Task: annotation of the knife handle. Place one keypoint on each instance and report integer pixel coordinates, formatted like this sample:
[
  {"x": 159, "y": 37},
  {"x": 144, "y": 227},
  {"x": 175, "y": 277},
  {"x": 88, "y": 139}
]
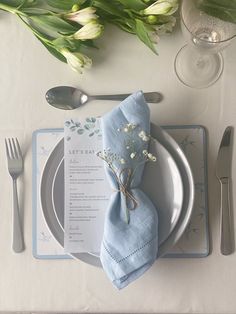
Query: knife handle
[{"x": 227, "y": 239}]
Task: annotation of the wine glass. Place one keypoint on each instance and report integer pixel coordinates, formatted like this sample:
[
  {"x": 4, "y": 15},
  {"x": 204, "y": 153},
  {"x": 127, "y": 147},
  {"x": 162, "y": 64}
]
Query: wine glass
[{"x": 199, "y": 64}]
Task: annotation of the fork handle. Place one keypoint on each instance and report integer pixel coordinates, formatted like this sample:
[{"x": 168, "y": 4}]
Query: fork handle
[{"x": 18, "y": 242}]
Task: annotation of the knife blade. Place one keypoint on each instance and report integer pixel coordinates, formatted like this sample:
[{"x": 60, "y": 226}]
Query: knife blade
[{"x": 223, "y": 173}]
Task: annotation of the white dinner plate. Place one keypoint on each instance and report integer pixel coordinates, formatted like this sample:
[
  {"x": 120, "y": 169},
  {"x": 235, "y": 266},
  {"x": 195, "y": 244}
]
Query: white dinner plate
[{"x": 168, "y": 183}]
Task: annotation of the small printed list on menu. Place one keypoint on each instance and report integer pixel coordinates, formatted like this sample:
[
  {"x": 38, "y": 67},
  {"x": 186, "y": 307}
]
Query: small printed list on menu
[{"x": 87, "y": 190}]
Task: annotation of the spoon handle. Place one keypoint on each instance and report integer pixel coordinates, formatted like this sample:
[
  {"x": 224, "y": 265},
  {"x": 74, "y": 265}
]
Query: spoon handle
[{"x": 152, "y": 97}]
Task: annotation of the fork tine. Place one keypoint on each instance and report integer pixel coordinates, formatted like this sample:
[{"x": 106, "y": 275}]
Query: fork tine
[
  {"x": 18, "y": 148},
  {"x": 14, "y": 148},
  {"x": 10, "y": 148},
  {"x": 7, "y": 149}
]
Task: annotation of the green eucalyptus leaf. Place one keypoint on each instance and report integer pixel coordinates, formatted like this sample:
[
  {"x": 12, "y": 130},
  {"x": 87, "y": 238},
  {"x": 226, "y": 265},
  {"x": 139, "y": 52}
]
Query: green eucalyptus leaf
[
  {"x": 54, "y": 23},
  {"x": 143, "y": 33},
  {"x": 80, "y": 131}
]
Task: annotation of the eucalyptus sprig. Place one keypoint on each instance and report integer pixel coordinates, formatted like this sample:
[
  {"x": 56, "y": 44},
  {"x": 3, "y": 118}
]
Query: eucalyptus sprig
[{"x": 67, "y": 28}]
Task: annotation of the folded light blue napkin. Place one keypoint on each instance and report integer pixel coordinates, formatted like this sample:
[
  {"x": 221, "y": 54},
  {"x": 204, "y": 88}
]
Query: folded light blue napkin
[{"x": 130, "y": 240}]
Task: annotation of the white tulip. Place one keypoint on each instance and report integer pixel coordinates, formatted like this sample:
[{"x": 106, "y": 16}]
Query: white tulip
[
  {"x": 83, "y": 16},
  {"x": 162, "y": 7},
  {"x": 76, "y": 60},
  {"x": 91, "y": 30}
]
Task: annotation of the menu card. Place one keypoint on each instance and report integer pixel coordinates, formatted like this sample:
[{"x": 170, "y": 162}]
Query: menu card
[{"x": 85, "y": 199}]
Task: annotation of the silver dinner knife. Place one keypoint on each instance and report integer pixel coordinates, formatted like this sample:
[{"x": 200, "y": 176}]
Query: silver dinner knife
[{"x": 223, "y": 173}]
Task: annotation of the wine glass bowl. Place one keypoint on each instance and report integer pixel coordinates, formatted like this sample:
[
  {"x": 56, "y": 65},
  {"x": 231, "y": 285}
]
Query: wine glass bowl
[{"x": 199, "y": 64}]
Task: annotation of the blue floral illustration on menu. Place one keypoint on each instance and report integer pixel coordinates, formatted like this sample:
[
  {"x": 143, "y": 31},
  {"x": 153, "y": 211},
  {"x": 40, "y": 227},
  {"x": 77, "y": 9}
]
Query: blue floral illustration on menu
[{"x": 90, "y": 126}]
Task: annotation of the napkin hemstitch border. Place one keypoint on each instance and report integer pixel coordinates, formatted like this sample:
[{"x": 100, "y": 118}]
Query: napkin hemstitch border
[{"x": 124, "y": 258}]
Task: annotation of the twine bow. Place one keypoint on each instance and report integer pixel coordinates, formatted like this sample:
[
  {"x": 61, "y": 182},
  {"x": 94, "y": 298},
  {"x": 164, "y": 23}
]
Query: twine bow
[{"x": 124, "y": 180}]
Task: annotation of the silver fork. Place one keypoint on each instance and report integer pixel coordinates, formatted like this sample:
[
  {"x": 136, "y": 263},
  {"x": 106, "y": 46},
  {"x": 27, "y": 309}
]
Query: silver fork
[{"x": 15, "y": 168}]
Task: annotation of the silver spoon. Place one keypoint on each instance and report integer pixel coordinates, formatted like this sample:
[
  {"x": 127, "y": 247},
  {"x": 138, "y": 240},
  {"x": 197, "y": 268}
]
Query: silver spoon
[{"x": 69, "y": 98}]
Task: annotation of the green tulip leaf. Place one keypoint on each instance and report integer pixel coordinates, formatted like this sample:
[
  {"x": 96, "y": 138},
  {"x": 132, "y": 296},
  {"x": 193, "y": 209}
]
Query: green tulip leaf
[
  {"x": 53, "y": 23},
  {"x": 222, "y": 9},
  {"x": 133, "y": 4},
  {"x": 34, "y": 11},
  {"x": 64, "y": 5},
  {"x": 12, "y": 3},
  {"x": 143, "y": 34},
  {"x": 53, "y": 51},
  {"x": 108, "y": 7}
]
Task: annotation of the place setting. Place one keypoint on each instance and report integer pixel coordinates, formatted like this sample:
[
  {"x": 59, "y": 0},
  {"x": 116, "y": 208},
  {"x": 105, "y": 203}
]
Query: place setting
[
  {"x": 71, "y": 193},
  {"x": 119, "y": 191}
]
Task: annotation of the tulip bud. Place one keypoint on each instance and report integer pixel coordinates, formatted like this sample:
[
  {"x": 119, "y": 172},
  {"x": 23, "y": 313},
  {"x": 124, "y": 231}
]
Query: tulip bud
[
  {"x": 75, "y": 8},
  {"x": 152, "y": 19},
  {"x": 83, "y": 16},
  {"x": 76, "y": 60},
  {"x": 91, "y": 30},
  {"x": 162, "y": 7}
]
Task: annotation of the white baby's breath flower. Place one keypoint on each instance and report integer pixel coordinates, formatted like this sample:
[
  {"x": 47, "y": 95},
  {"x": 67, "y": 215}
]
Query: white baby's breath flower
[
  {"x": 142, "y": 134},
  {"x": 151, "y": 157},
  {"x": 122, "y": 161},
  {"x": 145, "y": 152},
  {"x": 126, "y": 130},
  {"x": 127, "y": 147},
  {"x": 131, "y": 126},
  {"x": 145, "y": 138},
  {"x": 133, "y": 155}
]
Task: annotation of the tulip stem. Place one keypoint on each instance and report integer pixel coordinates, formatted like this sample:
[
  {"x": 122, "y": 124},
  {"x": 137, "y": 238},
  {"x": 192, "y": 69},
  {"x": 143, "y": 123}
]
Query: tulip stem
[{"x": 11, "y": 9}]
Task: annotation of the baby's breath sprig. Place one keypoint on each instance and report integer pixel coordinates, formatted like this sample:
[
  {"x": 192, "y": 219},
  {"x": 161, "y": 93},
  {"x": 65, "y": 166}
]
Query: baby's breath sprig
[{"x": 124, "y": 167}]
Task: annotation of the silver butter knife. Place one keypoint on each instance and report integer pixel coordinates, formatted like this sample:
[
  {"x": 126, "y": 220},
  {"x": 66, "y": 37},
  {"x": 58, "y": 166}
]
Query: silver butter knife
[{"x": 223, "y": 173}]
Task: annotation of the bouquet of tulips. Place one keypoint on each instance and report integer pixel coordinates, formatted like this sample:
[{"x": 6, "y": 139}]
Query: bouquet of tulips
[{"x": 67, "y": 28}]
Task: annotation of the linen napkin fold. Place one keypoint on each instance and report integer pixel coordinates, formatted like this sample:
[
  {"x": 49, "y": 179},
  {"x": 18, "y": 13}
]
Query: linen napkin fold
[{"x": 130, "y": 240}]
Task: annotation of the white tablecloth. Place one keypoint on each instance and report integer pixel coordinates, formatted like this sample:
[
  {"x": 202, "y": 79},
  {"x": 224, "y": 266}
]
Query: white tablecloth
[{"x": 122, "y": 64}]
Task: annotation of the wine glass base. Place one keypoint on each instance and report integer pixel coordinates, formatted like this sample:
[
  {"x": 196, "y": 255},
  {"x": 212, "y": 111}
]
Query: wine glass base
[{"x": 196, "y": 69}]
